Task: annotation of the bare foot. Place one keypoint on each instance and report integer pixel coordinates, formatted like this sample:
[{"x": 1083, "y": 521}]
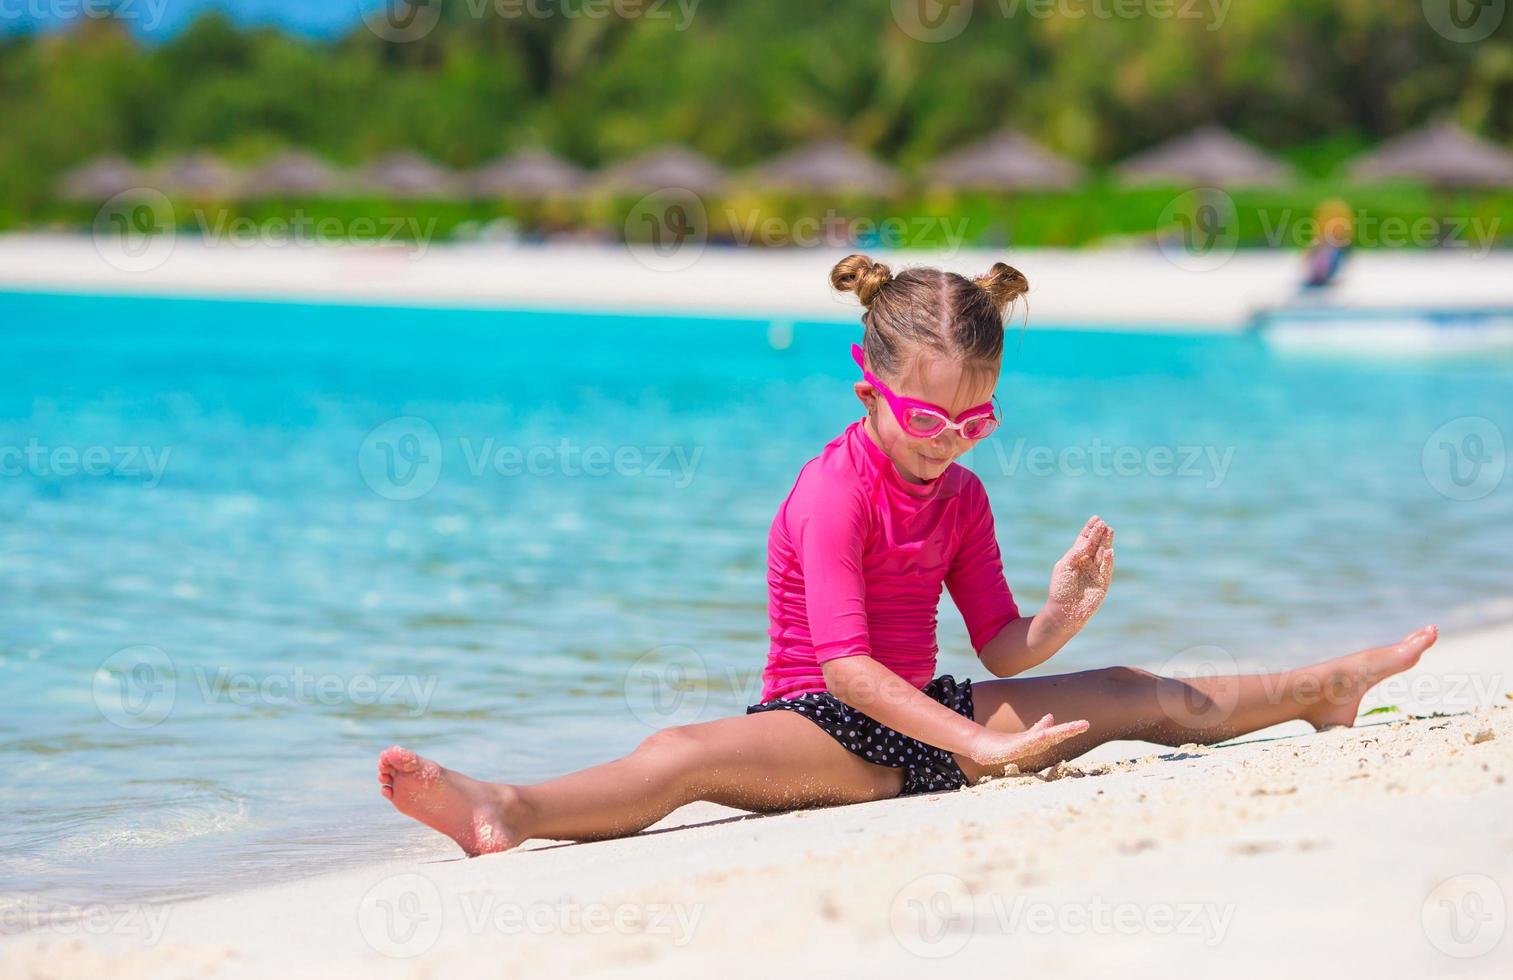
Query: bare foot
[
  {"x": 472, "y": 813},
  {"x": 1345, "y": 680}
]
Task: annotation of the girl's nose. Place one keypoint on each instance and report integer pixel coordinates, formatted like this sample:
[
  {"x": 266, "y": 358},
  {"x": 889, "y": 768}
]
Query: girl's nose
[{"x": 947, "y": 443}]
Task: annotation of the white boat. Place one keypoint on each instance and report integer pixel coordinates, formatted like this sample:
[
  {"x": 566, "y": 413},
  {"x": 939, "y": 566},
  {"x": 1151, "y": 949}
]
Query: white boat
[{"x": 1387, "y": 332}]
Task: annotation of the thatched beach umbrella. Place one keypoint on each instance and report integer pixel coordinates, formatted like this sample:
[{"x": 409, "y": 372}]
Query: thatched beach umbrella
[
  {"x": 825, "y": 166},
  {"x": 292, "y": 174},
  {"x": 407, "y": 174},
  {"x": 525, "y": 174},
  {"x": 99, "y": 179},
  {"x": 1211, "y": 156},
  {"x": 197, "y": 175},
  {"x": 664, "y": 169},
  {"x": 1005, "y": 161},
  {"x": 1441, "y": 154}
]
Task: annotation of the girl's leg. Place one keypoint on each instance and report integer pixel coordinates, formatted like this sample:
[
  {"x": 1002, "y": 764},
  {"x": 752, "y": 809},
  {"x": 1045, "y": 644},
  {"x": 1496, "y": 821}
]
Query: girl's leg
[
  {"x": 1123, "y": 702},
  {"x": 773, "y": 760}
]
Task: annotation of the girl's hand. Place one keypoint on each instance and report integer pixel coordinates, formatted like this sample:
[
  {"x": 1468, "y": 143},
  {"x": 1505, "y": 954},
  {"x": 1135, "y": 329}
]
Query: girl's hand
[
  {"x": 1081, "y": 578},
  {"x": 995, "y": 749}
]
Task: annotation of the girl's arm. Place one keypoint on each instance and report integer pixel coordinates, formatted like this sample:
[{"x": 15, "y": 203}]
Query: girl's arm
[
  {"x": 1079, "y": 582},
  {"x": 882, "y": 695},
  {"x": 1026, "y": 642}
]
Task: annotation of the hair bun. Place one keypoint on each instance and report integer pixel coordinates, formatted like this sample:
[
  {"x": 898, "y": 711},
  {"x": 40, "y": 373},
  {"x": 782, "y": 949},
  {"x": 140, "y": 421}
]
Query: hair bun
[
  {"x": 1004, "y": 283},
  {"x": 860, "y": 275}
]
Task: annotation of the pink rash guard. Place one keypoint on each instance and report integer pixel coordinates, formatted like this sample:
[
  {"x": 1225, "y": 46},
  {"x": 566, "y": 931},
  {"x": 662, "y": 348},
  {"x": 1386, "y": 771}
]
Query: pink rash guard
[{"x": 856, "y": 559}]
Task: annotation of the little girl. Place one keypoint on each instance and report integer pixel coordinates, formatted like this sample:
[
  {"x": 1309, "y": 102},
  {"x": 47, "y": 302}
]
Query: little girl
[{"x": 857, "y": 556}]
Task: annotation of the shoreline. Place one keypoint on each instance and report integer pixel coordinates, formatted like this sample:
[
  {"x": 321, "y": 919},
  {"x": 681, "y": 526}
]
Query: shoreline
[
  {"x": 1108, "y": 289},
  {"x": 1142, "y": 825}
]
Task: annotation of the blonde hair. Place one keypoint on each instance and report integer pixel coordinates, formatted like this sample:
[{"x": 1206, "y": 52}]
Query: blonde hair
[{"x": 928, "y": 309}]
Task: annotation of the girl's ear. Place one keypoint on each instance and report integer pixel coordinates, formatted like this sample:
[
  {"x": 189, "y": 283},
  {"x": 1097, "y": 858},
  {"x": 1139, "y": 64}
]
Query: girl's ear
[{"x": 866, "y": 394}]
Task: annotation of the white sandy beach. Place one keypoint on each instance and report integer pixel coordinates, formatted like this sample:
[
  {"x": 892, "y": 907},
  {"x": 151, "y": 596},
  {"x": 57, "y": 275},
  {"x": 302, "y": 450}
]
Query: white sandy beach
[
  {"x": 1380, "y": 850},
  {"x": 1135, "y": 288}
]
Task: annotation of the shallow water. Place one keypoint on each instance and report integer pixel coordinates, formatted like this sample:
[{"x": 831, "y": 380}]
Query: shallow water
[{"x": 228, "y": 578}]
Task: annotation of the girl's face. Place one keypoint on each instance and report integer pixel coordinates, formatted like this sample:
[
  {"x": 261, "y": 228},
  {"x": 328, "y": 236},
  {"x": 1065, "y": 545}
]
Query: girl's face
[{"x": 942, "y": 381}]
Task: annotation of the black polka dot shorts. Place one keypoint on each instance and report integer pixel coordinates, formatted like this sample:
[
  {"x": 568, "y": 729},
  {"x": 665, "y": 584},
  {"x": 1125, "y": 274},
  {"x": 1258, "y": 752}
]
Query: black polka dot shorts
[{"x": 926, "y": 768}]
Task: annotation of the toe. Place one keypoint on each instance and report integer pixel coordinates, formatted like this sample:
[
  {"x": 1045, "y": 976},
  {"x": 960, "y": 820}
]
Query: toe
[
  {"x": 385, "y": 776},
  {"x": 1422, "y": 638},
  {"x": 396, "y": 758}
]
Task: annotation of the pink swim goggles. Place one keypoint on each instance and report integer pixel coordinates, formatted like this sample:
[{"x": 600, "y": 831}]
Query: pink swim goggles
[{"x": 922, "y": 420}]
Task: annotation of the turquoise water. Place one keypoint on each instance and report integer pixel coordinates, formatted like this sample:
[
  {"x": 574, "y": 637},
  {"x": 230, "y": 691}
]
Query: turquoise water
[{"x": 228, "y": 576}]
